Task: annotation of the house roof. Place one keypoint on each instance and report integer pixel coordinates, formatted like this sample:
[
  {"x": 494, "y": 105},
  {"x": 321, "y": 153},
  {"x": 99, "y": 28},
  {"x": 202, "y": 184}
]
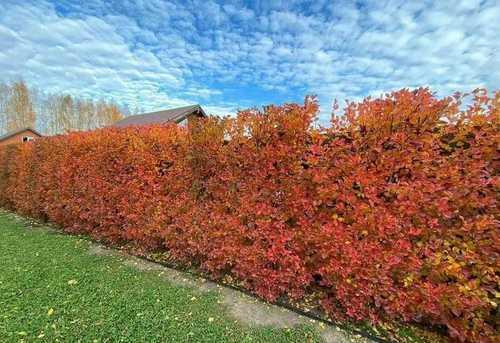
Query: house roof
[
  {"x": 175, "y": 115},
  {"x": 13, "y": 133}
]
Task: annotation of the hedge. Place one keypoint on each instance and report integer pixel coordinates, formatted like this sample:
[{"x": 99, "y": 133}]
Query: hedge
[{"x": 390, "y": 213}]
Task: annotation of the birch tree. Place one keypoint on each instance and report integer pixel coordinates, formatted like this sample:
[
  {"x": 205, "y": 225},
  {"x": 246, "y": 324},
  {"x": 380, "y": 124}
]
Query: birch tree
[{"x": 19, "y": 107}]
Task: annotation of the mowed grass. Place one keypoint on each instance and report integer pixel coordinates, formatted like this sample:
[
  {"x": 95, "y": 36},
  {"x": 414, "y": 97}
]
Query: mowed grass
[{"x": 52, "y": 289}]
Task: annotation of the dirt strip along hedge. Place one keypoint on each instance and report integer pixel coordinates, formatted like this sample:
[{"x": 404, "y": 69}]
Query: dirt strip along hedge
[{"x": 390, "y": 213}]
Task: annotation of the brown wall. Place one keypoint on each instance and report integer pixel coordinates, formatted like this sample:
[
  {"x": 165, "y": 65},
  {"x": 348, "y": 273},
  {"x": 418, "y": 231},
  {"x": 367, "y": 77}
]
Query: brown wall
[
  {"x": 18, "y": 138},
  {"x": 187, "y": 121},
  {"x": 192, "y": 117}
]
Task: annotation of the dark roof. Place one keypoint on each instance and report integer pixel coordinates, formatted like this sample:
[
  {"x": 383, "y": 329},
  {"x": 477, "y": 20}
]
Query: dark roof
[
  {"x": 13, "y": 133},
  {"x": 174, "y": 115}
]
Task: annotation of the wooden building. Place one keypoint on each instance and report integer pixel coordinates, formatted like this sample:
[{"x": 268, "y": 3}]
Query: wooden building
[
  {"x": 179, "y": 115},
  {"x": 20, "y": 136}
]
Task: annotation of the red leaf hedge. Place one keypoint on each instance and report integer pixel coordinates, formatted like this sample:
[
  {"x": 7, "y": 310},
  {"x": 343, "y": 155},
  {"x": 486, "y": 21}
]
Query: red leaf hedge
[{"x": 392, "y": 213}]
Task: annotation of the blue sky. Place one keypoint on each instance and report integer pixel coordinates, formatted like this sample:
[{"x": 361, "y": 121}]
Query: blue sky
[{"x": 158, "y": 54}]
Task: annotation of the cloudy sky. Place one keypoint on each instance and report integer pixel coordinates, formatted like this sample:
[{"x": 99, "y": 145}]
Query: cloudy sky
[{"x": 157, "y": 54}]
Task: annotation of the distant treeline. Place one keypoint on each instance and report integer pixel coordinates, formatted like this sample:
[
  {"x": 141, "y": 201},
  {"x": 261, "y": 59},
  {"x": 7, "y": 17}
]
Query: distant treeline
[{"x": 22, "y": 106}]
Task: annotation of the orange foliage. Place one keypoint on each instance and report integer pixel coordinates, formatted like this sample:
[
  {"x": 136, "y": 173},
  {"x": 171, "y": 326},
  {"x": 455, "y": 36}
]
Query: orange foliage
[{"x": 391, "y": 213}]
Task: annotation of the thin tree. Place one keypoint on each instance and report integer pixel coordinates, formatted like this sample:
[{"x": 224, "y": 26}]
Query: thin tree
[
  {"x": 20, "y": 113},
  {"x": 21, "y": 106}
]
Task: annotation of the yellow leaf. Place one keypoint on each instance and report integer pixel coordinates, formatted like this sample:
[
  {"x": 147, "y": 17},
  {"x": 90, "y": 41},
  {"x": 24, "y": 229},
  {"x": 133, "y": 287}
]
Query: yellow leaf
[
  {"x": 210, "y": 319},
  {"x": 50, "y": 312},
  {"x": 72, "y": 282}
]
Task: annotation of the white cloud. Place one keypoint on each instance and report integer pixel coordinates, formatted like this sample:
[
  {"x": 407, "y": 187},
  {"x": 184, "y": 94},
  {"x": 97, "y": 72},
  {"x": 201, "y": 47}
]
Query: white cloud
[
  {"x": 159, "y": 53},
  {"x": 86, "y": 56}
]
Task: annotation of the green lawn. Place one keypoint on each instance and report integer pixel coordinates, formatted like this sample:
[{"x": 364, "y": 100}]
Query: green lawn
[{"x": 52, "y": 289}]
